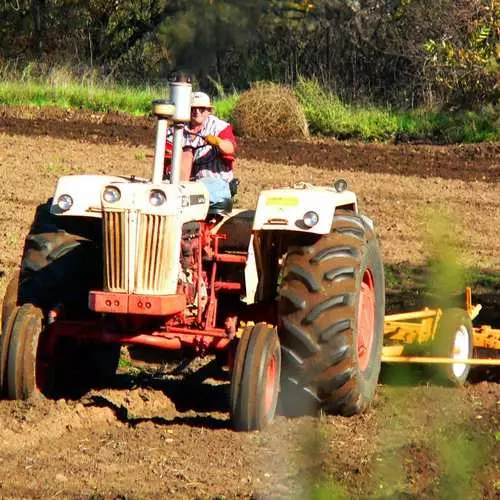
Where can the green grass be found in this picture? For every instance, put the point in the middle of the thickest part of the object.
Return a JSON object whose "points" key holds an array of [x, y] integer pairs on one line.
{"points": [[325, 113], [73, 95]]}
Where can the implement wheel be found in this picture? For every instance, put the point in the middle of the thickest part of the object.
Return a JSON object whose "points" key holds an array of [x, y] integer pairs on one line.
{"points": [[331, 311], [453, 339], [256, 378]]}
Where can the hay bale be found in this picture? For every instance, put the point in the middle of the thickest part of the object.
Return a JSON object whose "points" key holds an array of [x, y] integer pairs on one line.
{"points": [[270, 110]]}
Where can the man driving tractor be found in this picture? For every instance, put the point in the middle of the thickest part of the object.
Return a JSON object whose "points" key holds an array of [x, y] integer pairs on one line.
{"points": [[209, 148]]}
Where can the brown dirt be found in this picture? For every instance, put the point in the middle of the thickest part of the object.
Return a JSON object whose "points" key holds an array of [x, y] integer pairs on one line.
{"points": [[153, 435]]}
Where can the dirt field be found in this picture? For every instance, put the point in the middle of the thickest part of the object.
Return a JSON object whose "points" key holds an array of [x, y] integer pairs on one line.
{"points": [[155, 435]]}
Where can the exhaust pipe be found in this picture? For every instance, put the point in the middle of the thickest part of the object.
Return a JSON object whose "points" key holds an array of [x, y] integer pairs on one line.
{"points": [[178, 108]]}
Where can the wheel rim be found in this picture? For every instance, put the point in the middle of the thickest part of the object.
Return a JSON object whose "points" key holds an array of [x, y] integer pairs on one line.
{"points": [[460, 350], [366, 320], [271, 383]]}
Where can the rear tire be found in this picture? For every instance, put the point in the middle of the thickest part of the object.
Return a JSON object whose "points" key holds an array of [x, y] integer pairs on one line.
{"points": [[331, 309], [255, 378], [454, 339], [61, 261]]}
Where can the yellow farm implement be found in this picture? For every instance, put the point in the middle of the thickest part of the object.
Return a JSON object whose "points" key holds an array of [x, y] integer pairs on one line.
{"points": [[442, 337]]}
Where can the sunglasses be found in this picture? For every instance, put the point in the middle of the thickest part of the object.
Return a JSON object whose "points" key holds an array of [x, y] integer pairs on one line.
{"points": [[199, 110]]}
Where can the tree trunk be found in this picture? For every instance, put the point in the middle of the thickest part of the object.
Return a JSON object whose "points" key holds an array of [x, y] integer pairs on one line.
{"points": [[38, 13]]}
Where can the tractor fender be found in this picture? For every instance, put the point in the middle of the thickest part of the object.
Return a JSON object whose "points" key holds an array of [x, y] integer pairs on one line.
{"points": [[284, 209], [237, 230]]}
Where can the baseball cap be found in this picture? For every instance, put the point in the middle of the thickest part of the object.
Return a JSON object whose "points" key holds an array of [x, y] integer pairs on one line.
{"points": [[200, 100]]}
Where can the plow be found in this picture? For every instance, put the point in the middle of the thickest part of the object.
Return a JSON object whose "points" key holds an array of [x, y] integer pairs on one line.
{"points": [[445, 338], [289, 297]]}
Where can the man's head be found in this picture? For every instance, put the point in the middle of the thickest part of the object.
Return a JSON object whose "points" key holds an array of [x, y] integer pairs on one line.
{"points": [[201, 107]]}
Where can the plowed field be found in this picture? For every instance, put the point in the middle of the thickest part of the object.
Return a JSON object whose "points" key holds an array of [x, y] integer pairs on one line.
{"points": [[154, 434]]}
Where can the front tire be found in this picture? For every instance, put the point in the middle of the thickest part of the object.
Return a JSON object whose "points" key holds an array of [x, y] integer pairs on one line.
{"points": [[62, 261], [9, 311], [331, 309], [255, 379], [25, 371]]}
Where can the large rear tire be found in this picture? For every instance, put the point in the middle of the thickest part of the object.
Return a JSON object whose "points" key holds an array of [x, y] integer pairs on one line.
{"points": [[256, 378], [331, 310]]}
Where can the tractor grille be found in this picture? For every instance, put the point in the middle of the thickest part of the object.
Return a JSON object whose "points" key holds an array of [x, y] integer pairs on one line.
{"points": [[116, 246], [152, 253], [152, 258]]}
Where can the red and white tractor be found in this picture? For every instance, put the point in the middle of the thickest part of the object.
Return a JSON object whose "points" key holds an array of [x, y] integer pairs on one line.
{"points": [[290, 295]]}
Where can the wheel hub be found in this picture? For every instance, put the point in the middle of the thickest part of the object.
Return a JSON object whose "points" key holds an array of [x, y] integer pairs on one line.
{"points": [[271, 381], [460, 350], [366, 320]]}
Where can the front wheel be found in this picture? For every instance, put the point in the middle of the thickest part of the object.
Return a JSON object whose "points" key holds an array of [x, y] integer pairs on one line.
{"points": [[453, 339], [26, 372], [255, 378], [37, 365], [9, 311]]}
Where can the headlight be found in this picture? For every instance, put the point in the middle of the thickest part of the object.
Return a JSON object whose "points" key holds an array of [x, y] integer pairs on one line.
{"points": [[64, 202], [340, 185], [111, 194], [310, 219], [157, 198]]}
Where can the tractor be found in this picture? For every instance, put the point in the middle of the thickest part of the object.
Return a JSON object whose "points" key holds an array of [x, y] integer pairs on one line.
{"points": [[290, 296]]}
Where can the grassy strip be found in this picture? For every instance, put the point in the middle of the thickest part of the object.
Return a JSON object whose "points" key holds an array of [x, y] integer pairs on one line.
{"points": [[325, 113], [73, 95]]}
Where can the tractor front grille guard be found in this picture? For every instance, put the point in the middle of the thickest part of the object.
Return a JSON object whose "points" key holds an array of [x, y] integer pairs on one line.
{"points": [[142, 267]]}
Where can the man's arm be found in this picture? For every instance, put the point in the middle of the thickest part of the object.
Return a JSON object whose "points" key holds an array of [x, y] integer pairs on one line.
{"points": [[186, 164], [226, 146], [225, 141]]}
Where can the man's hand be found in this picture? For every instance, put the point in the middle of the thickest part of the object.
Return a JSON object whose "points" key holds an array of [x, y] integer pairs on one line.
{"points": [[213, 140]]}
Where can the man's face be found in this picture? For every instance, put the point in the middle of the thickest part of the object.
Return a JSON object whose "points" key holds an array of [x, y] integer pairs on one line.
{"points": [[199, 115]]}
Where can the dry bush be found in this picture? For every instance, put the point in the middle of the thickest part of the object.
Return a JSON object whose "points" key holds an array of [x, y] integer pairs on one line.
{"points": [[270, 110]]}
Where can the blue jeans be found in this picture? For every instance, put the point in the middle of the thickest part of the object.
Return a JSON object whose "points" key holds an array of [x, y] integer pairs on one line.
{"points": [[218, 189]]}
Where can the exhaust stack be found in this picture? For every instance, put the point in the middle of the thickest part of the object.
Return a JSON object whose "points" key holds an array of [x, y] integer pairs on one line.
{"points": [[178, 109]]}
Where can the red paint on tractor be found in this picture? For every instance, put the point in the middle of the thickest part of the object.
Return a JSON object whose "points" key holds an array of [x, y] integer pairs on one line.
{"points": [[124, 303], [366, 320]]}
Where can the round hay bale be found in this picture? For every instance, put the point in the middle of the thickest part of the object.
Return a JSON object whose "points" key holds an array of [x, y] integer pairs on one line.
{"points": [[270, 110]]}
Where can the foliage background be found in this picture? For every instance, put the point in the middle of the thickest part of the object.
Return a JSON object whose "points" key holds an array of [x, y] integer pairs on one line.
{"points": [[402, 53]]}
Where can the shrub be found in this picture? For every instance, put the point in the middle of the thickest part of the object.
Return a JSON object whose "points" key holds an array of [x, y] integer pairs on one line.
{"points": [[270, 110]]}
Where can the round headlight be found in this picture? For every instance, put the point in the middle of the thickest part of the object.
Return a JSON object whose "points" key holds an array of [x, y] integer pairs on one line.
{"points": [[111, 194], [64, 202], [310, 219], [157, 198], [340, 185]]}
